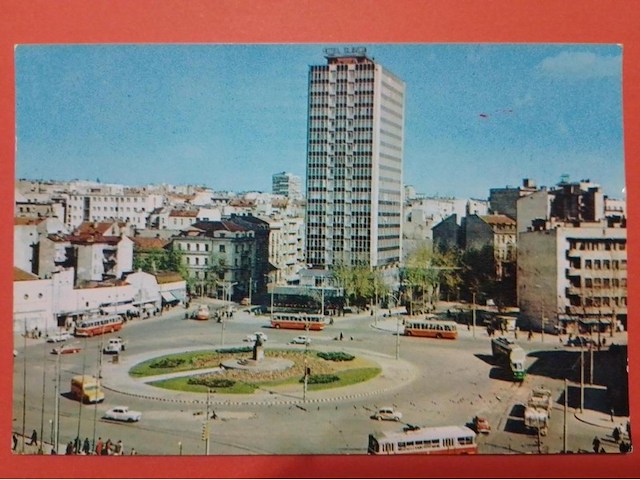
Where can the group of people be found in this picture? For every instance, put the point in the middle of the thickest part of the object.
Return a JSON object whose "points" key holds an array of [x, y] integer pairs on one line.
{"points": [[110, 448], [618, 437]]}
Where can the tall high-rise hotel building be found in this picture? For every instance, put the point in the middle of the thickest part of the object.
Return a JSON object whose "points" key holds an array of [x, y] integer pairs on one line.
{"points": [[354, 162]]}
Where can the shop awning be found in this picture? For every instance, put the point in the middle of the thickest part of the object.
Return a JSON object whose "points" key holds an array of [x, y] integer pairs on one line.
{"points": [[118, 309], [168, 297]]}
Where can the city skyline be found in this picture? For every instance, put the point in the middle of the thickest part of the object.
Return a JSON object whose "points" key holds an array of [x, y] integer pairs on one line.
{"points": [[477, 116]]}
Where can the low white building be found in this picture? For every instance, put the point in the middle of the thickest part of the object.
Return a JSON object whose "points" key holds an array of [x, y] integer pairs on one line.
{"points": [[32, 303], [54, 303]]}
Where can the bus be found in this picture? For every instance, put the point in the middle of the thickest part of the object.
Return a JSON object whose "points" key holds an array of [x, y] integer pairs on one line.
{"points": [[86, 389], [432, 328], [452, 440], [98, 325], [298, 321]]}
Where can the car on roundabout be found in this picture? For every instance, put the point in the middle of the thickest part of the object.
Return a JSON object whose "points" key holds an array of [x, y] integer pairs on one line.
{"points": [[254, 337], [301, 340], [67, 349], [59, 337], [122, 414], [387, 413]]}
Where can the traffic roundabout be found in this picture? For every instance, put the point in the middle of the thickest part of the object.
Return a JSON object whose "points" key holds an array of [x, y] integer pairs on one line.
{"points": [[276, 379]]}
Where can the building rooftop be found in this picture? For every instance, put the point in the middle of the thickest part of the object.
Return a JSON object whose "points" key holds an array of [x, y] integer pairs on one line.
{"points": [[20, 275]]}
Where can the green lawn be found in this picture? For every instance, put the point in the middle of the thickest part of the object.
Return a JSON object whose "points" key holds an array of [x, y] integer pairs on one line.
{"points": [[349, 377], [348, 372], [192, 361], [182, 384]]}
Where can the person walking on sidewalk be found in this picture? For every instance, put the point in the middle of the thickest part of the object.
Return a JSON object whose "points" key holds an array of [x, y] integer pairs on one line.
{"points": [[86, 446], [98, 449], [34, 438], [596, 444]]}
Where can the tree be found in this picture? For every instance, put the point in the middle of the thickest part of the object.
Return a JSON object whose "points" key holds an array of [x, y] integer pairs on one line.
{"points": [[427, 271], [479, 273], [361, 284]]}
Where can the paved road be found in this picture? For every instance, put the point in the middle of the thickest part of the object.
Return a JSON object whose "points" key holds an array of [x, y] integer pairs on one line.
{"points": [[433, 382]]}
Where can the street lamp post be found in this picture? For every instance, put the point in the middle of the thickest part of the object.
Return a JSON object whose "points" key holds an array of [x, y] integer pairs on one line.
{"points": [[473, 313], [56, 405], [397, 301], [581, 376], [542, 321]]}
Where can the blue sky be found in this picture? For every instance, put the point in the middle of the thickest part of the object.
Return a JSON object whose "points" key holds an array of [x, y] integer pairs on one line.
{"points": [[478, 116]]}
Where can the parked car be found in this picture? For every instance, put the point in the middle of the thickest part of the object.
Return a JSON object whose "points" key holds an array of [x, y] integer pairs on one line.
{"points": [[122, 414], [67, 348], [59, 337], [254, 336], [481, 425], [301, 340], [387, 413]]}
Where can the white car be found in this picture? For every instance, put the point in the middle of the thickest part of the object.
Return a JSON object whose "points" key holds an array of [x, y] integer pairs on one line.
{"points": [[59, 337], [254, 336], [387, 413], [301, 340], [115, 345], [122, 414]]}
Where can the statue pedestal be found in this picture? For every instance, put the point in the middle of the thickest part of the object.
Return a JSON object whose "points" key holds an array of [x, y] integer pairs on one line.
{"points": [[258, 353]]}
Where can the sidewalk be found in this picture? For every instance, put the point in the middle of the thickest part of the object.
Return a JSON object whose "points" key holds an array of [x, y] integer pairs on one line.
{"points": [[28, 448]]}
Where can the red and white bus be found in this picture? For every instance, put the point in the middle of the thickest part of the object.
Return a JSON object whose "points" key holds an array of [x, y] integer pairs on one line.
{"points": [[450, 440], [432, 328], [297, 321], [98, 325]]}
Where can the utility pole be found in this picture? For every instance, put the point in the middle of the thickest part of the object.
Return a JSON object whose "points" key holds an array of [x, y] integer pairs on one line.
{"points": [[397, 337], [44, 377], [84, 361], [581, 377], [306, 381], [591, 364], [473, 313], [95, 408], [566, 395], [24, 385], [205, 427], [56, 406]]}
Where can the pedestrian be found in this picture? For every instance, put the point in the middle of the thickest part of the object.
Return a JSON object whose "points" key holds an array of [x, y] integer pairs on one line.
{"points": [[98, 449], [596, 444], [341, 338], [69, 449], [616, 435], [530, 336], [119, 448], [133, 451], [34, 437], [14, 438], [86, 446], [108, 446]]}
